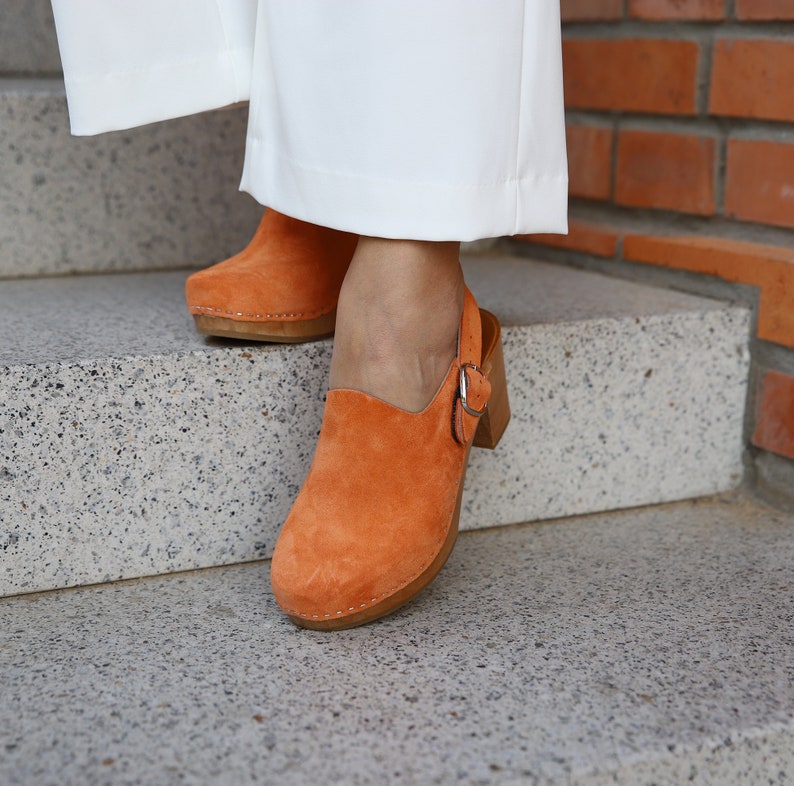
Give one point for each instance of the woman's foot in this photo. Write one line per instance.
(378, 514)
(411, 383)
(397, 320)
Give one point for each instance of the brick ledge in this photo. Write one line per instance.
(771, 268)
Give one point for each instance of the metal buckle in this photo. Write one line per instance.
(464, 389)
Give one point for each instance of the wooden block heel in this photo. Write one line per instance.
(496, 417)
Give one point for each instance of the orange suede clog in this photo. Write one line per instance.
(283, 287)
(378, 514)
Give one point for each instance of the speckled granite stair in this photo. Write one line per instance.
(131, 446)
(647, 647)
(159, 197)
(28, 44)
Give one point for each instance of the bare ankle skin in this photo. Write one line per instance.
(397, 320)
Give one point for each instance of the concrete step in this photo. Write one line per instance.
(159, 197)
(131, 446)
(650, 646)
(27, 38)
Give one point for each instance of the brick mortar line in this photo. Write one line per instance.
(720, 176)
(666, 222)
(785, 134)
(700, 125)
(677, 30)
(703, 76)
(613, 172)
(627, 31)
(774, 356)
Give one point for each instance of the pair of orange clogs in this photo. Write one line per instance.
(378, 514)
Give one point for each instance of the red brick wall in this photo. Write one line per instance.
(681, 152)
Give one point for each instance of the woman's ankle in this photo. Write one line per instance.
(398, 318)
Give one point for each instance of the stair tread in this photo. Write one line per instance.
(132, 446)
(160, 197)
(634, 647)
(27, 38)
(63, 319)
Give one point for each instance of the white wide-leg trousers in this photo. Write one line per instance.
(420, 119)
